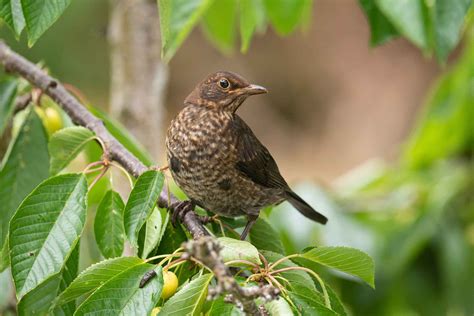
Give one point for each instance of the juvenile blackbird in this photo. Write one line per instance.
(216, 159)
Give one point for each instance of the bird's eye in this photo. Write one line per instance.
(224, 83)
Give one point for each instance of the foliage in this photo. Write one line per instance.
(43, 214)
(433, 26)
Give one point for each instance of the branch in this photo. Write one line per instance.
(16, 64)
(206, 250)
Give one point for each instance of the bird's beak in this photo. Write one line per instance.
(255, 89)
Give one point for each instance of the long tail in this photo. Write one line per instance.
(305, 209)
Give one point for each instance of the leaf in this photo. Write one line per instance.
(45, 229)
(39, 300)
(141, 202)
(177, 19)
(278, 307)
(108, 225)
(96, 275)
(189, 299)
(264, 237)
(219, 307)
(408, 17)
(285, 15)
(220, 22)
(381, 29)
(12, 13)
(336, 304)
(8, 87)
(24, 167)
(345, 259)
(153, 232)
(448, 21)
(173, 238)
(121, 295)
(66, 144)
(234, 249)
(252, 18)
(307, 305)
(40, 15)
(445, 127)
(4, 257)
(123, 136)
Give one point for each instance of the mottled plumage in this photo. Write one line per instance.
(216, 159)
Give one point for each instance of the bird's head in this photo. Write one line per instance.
(223, 90)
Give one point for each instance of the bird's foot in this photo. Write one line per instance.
(179, 211)
(208, 219)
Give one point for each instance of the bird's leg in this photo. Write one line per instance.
(251, 219)
(180, 209)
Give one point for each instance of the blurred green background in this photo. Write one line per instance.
(381, 140)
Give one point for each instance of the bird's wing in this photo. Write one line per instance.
(254, 160)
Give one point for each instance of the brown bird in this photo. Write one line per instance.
(216, 159)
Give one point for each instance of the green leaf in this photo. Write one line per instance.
(408, 17)
(219, 308)
(108, 225)
(121, 295)
(12, 13)
(336, 304)
(96, 275)
(345, 259)
(153, 232)
(45, 229)
(189, 299)
(141, 202)
(445, 127)
(8, 88)
(220, 22)
(234, 249)
(252, 18)
(40, 15)
(264, 237)
(173, 237)
(309, 306)
(381, 29)
(39, 300)
(177, 19)
(278, 307)
(286, 15)
(448, 21)
(24, 167)
(4, 257)
(66, 144)
(123, 136)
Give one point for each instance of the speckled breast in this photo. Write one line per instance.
(201, 152)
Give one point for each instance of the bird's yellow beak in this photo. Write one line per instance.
(255, 89)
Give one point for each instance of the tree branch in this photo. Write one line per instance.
(16, 64)
(206, 250)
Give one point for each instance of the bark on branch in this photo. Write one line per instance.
(206, 250)
(16, 64)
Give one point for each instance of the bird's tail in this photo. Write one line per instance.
(305, 209)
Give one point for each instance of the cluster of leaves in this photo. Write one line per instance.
(419, 214)
(43, 214)
(433, 26)
(36, 15)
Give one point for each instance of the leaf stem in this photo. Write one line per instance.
(276, 263)
(327, 301)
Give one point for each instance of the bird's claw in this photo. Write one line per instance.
(179, 211)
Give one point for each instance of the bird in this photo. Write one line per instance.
(216, 159)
